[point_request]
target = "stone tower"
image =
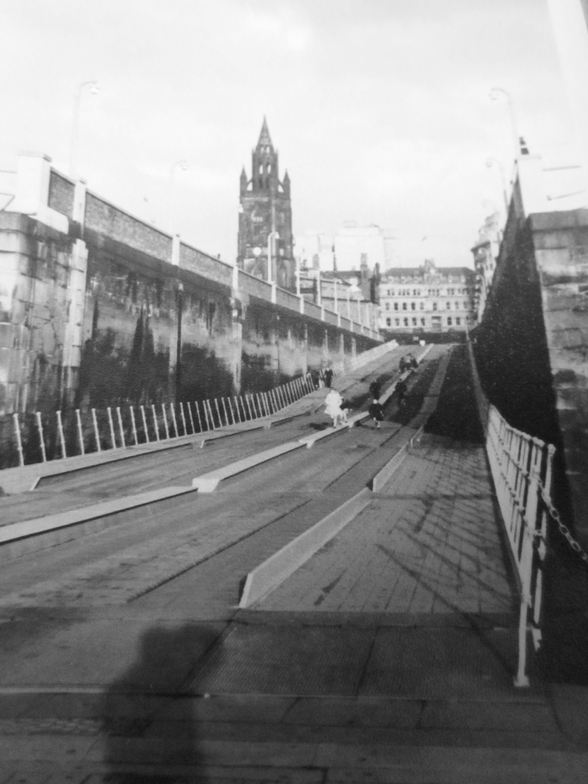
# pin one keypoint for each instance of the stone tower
(265, 208)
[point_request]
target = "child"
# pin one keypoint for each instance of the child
(376, 412)
(333, 403)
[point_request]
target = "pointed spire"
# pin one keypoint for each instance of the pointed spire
(264, 136)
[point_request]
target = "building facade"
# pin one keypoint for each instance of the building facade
(265, 242)
(485, 253)
(425, 299)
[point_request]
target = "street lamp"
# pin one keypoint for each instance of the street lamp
(183, 165)
(495, 94)
(75, 134)
(272, 235)
(490, 162)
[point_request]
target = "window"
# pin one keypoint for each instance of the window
(413, 305)
(458, 321)
(421, 305)
(414, 322)
(423, 322)
(404, 306)
(406, 322)
(389, 292)
(457, 305)
(396, 306)
(415, 292)
(387, 306)
(434, 306)
(448, 305)
(449, 321)
(388, 322)
(397, 322)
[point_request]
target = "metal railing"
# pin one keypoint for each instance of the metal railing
(522, 468)
(78, 432)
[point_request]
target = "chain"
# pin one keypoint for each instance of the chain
(563, 529)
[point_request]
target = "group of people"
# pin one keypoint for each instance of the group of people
(338, 409)
(407, 361)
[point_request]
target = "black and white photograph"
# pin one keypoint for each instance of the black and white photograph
(294, 392)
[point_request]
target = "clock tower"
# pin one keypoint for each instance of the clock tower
(265, 217)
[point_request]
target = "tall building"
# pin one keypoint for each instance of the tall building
(265, 218)
(423, 299)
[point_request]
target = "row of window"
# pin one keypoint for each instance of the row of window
(414, 322)
(427, 292)
(413, 306)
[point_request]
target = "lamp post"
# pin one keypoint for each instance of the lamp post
(272, 235)
(495, 94)
(183, 165)
(75, 133)
(490, 162)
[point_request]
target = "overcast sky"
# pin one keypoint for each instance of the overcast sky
(379, 108)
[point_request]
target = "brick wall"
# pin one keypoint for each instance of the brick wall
(109, 220)
(61, 194)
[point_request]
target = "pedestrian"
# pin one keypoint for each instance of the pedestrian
(328, 376)
(333, 403)
(376, 412)
(401, 390)
(413, 363)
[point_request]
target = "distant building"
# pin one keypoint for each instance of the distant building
(427, 299)
(486, 252)
(265, 207)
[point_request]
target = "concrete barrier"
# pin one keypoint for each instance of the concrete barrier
(281, 565)
(207, 483)
(39, 525)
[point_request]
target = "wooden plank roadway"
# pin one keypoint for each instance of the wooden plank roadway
(430, 543)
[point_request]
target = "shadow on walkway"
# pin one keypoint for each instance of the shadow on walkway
(148, 722)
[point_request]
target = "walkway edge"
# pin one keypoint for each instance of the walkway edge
(278, 567)
(207, 483)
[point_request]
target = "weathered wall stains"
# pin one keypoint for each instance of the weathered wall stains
(532, 346)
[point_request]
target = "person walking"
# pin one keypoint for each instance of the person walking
(333, 403)
(376, 412)
(328, 376)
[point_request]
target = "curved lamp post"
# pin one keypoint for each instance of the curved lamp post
(272, 235)
(93, 88)
(495, 94)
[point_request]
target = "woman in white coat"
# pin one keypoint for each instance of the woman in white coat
(333, 407)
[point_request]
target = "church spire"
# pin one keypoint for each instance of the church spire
(265, 139)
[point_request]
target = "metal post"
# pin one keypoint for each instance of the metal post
(18, 440)
(120, 427)
(220, 419)
(212, 425)
(145, 428)
(225, 410)
(112, 436)
(248, 406)
(191, 417)
(237, 407)
(155, 424)
(134, 426)
(96, 431)
(62, 439)
(80, 433)
(198, 416)
(165, 422)
(183, 418)
(173, 413)
(233, 420)
(41, 438)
